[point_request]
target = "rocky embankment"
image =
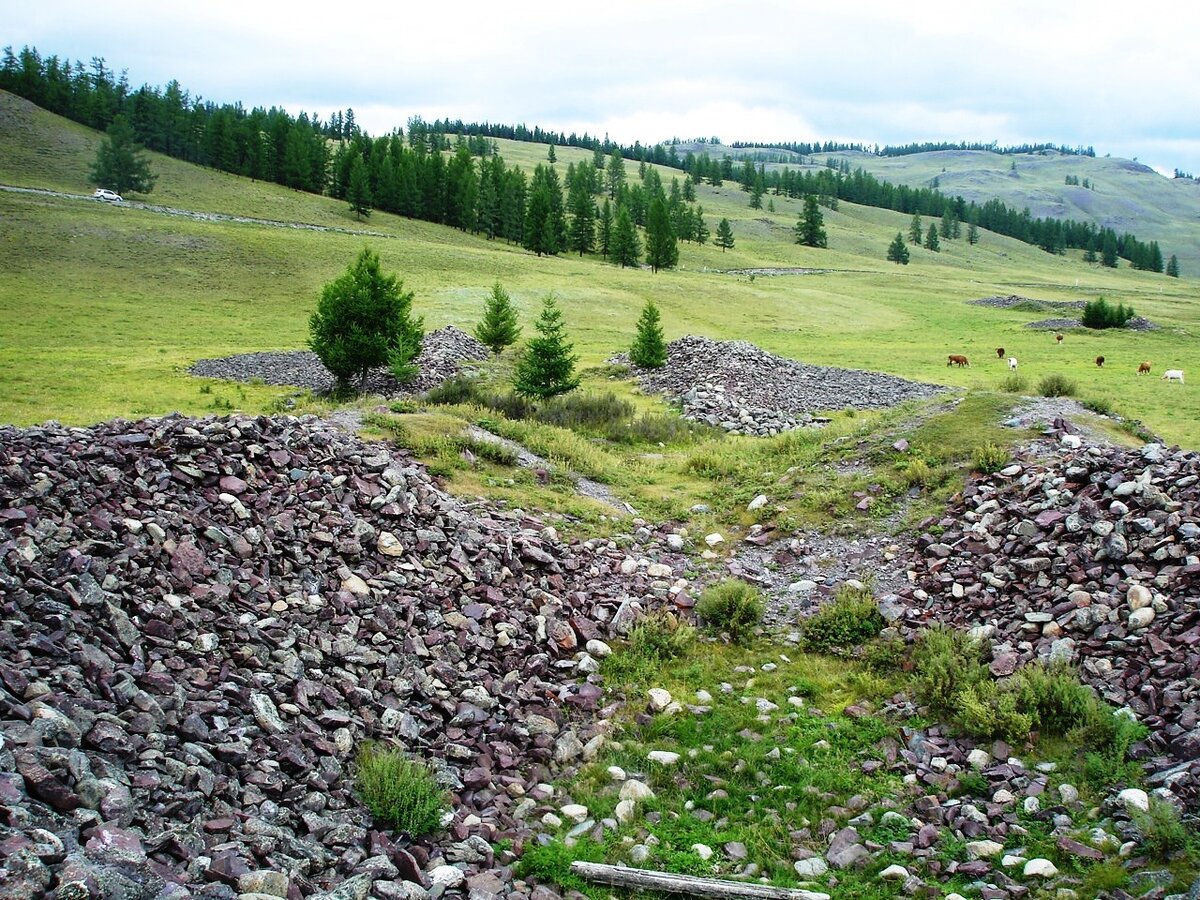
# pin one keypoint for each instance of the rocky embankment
(744, 389)
(1092, 559)
(204, 619)
(443, 355)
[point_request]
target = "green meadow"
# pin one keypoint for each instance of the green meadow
(105, 307)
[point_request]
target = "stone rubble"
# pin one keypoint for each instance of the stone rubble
(1092, 559)
(203, 621)
(743, 389)
(443, 355)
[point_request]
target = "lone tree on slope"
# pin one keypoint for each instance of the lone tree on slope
(363, 321)
(898, 250)
(121, 164)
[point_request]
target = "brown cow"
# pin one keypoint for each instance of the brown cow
(999, 353)
(1058, 337)
(1099, 362)
(956, 359)
(1144, 368)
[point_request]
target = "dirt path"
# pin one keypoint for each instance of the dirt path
(585, 487)
(198, 216)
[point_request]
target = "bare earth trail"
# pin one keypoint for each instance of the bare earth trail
(198, 216)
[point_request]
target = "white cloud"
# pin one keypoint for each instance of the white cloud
(1117, 79)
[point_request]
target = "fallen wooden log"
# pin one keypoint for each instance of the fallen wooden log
(647, 880)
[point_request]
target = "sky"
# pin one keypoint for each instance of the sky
(1118, 77)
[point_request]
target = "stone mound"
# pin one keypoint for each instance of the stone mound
(203, 620)
(746, 390)
(1137, 323)
(1015, 300)
(1092, 559)
(443, 353)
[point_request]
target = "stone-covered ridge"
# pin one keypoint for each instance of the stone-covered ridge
(744, 389)
(1092, 559)
(204, 619)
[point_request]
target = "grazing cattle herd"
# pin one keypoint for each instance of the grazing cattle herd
(1144, 368)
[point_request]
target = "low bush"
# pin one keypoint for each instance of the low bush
(850, 620)
(886, 656)
(660, 636)
(973, 784)
(460, 389)
(1056, 385)
(399, 791)
(731, 606)
(1060, 703)
(1012, 383)
(987, 710)
(595, 411)
(1163, 834)
(990, 458)
(945, 662)
(651, 428)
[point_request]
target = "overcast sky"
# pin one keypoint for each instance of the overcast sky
(1123, 78)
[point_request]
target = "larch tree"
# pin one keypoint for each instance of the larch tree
(897, 251)
(810, 227)
(724, 238)
(121, 164)
(625, 248)
(662, 245)
(649, 350)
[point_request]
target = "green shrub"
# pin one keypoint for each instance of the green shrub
(990, 458)
(987, 710)
(1058, 701)
(1012, 383)
(1100, 314)
(399, 791)
(1163, 834)
(944, 663)
(461, 389)
(597, 411)
(510, 405)
(546, 368)
(886, 656)
(918, 472)
(661, 428)
(973, 784)
(498, 328)
(1056, 385)
(660, 636)
(851, 619)
(731, 606)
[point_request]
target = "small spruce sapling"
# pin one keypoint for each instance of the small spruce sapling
(498, 328)
(547, 366)
(649, 350)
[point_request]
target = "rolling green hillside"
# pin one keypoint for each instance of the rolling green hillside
(104, 307)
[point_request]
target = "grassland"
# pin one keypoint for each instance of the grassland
(104, 307)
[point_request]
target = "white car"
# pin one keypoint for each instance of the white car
(107, 195)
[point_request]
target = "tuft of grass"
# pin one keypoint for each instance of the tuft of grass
(850, 620)
(989, 458)
(1100, 405)
(587, 411)
(1163, 834)
(400, 792)
(1057, 385)
(732, 607)
(1012, 383)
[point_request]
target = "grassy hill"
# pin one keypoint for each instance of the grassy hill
(1127, 195)
(105, 306)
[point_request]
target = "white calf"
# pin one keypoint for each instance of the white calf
(1173, 375)
(1012, 362)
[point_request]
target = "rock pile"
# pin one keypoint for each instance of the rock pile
(1092, 559)
(1137, 323)
(1015, 300)
(204, 619)
(443, 353)
(746, 390)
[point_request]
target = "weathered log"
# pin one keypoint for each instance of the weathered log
(648, 880)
